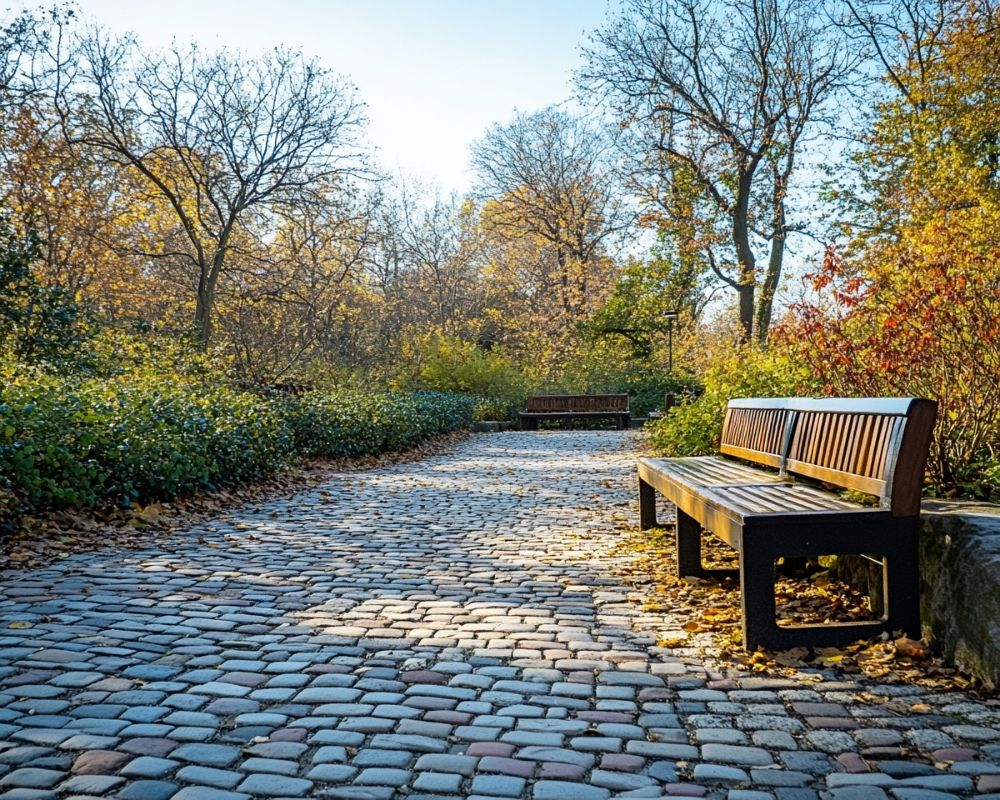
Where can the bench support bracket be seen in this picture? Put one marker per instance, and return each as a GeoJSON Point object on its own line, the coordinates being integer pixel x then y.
{"type": "Point", "coordinates": [894, 539]}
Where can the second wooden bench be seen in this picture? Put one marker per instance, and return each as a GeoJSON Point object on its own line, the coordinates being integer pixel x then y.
{"type": "Point", "coordinates": [576, 406]}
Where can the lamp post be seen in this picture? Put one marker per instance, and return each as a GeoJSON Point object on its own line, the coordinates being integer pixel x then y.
{"type": "Point", "coordinates": [670, 316]}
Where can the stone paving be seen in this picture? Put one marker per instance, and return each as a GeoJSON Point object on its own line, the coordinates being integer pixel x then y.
{"type": "Point", "coordinates": [439, 629]}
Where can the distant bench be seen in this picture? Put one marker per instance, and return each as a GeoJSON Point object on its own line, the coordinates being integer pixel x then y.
{"type": "Point", "coordinates": [576, 406]}
{"type": "Point", "coordinates": [877, 446]}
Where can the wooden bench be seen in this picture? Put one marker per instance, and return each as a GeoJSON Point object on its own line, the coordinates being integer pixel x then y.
{"type": "Point", "coordinates": [877, 446]}
{"type": "Point", "coordinates": [576, 406]}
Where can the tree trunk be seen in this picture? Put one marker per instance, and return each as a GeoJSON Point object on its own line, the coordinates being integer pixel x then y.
{"type": "Point", "coordinates": [203, 309]}
{"type": "Point", "coordinates": [765, 302]}
{"type": "Point", "coordinates": [208, 283]}
{"type": "Point", "coordinates": [744, 255]}
{"type": "Point", "coordinates": [203, 318]}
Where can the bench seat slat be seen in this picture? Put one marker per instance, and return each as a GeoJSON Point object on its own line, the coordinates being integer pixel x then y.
{"type": "Point", "coordinates": [785, 498]}
{"type": "Point", "coordinates": [741, 494]}
{"type": "Point", "coordinates": [710, 470]}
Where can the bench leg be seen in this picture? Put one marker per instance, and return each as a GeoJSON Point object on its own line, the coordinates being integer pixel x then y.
{"type": "Point", "coordinates": [688, 546]}
{"type": "Point", "coordinates": [901, 581]}
{"type": "Point", "coordinates": [760, 628]}
{"type": "Point", "coordinates": [647, 506]}
{"type": "Point", "coordinates": [688, 537]}
{"type": "Point", "coordinates": [895, 540]}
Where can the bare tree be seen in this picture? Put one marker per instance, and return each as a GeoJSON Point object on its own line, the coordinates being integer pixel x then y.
{"type": "Point", "coordinates": [425, 265]}
{"type": "Point", "coordinates": [443, 245]}
{"type": "Point", "coordinates": [899, 35]}
{"type": "Point", "coordinates": [221, 140]}
{"type": "Point", "coordinates": [288, 298]}
{"type": "Point", "coordinates": [12, 37]}
{"type": "Point", "coordinates": [23, 38]}
{"type": "Point", "coordinates": [715, 98]}
{"type": "Point", "coordinates": [550, 174]}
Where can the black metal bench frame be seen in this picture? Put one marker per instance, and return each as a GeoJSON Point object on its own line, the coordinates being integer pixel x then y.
{"type": "Point", "coordinates": [873, 445]}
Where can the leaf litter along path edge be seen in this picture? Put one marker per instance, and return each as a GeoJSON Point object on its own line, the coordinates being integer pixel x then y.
{"type": "Point", "coordinates": [453, 626]}
{"type": "Point", "coordinates": [712, 626]}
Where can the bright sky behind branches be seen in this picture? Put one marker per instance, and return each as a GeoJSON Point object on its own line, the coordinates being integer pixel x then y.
{"type": "Point", "coordinates": [434, 73]}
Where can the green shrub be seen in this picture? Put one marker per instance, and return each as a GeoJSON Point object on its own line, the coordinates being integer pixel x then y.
{"type": "Point", "coordinates": [50, 437]}
{"type": "Point", "coordinates": [450, 364]}
{"type": "Point", "coordinates": [80, 442]}
{"type": "Point", "coordinates": [610, 365]}
{"type": "Point", "coordinates": [352, 423]}
{"type": "Point", "coordinates": [496, 408]}
{"type": "Point", "coordinates": [38, 323]}
{"type": "Point", "coordinates": [693, 429]}
{"type": "Point", "coordinates": [9, 508]}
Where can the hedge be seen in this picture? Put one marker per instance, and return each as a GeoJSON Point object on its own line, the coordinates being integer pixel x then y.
{"type": "Point", "coordinates": [79, 443]}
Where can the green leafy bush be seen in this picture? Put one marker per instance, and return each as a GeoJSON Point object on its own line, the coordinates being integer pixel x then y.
{"type": "Point", "coordinates": [613, 365]}
{"type": "Point", "coordinates": [694, 429]}
{"type": "Point", "coordinates": [497, 408]}
{"type": "Point", "coordinates": [37, 323]}
{"type": "Point", "coordinates": [80, 442]}
{"type": "Point", "coordinates": [451, 364]}
{"type": "Point", "coordinates": [352, 423]}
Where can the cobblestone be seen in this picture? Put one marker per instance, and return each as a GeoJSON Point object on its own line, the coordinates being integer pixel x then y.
{"type": "Point", "coordinates": [451, 627]}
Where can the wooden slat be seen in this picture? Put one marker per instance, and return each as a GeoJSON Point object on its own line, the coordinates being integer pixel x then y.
{"type": "Point", "coordinates": [715, 509]}
{"type": "Point", "coordinates": [768, 459]}
{"type": "Point", "coordinates": [784, 498]}
{"type": "Point", "coordinates": [710, 471]}
{"type": "Point", "coordinates": [859, 483]}
{"type": "Point", "coordinates": [871, 451]}
{"type": "Point", "coordinates": [754, 434]}
{"type": "Point", "coordinates": [850, 438]}
{"type": "Point", "coordinates": [866, 442]}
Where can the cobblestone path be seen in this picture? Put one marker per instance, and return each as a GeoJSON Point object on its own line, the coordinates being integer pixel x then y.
{"type": "Point", "coordinates": [445, 628]}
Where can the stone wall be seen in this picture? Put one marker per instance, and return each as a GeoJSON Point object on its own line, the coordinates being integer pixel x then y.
{"type": "Point", "coordinates": [960, 595]}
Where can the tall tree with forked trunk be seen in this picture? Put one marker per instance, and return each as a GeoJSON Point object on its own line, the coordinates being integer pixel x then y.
{"type": "Point", "coordinates": [715, 98]}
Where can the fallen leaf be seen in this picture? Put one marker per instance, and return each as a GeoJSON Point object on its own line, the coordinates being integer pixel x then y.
{"type": "Point", "coordinates": [910, 648]}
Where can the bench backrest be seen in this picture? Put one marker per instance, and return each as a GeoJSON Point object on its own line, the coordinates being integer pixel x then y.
{"type": "Point", "coordinates": [874, 445]}
{"type": "Point", "coordinates": [617, 403]}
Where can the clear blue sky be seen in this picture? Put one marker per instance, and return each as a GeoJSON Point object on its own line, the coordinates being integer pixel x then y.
{"type": "Point", "coordinates": [434, 73]}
